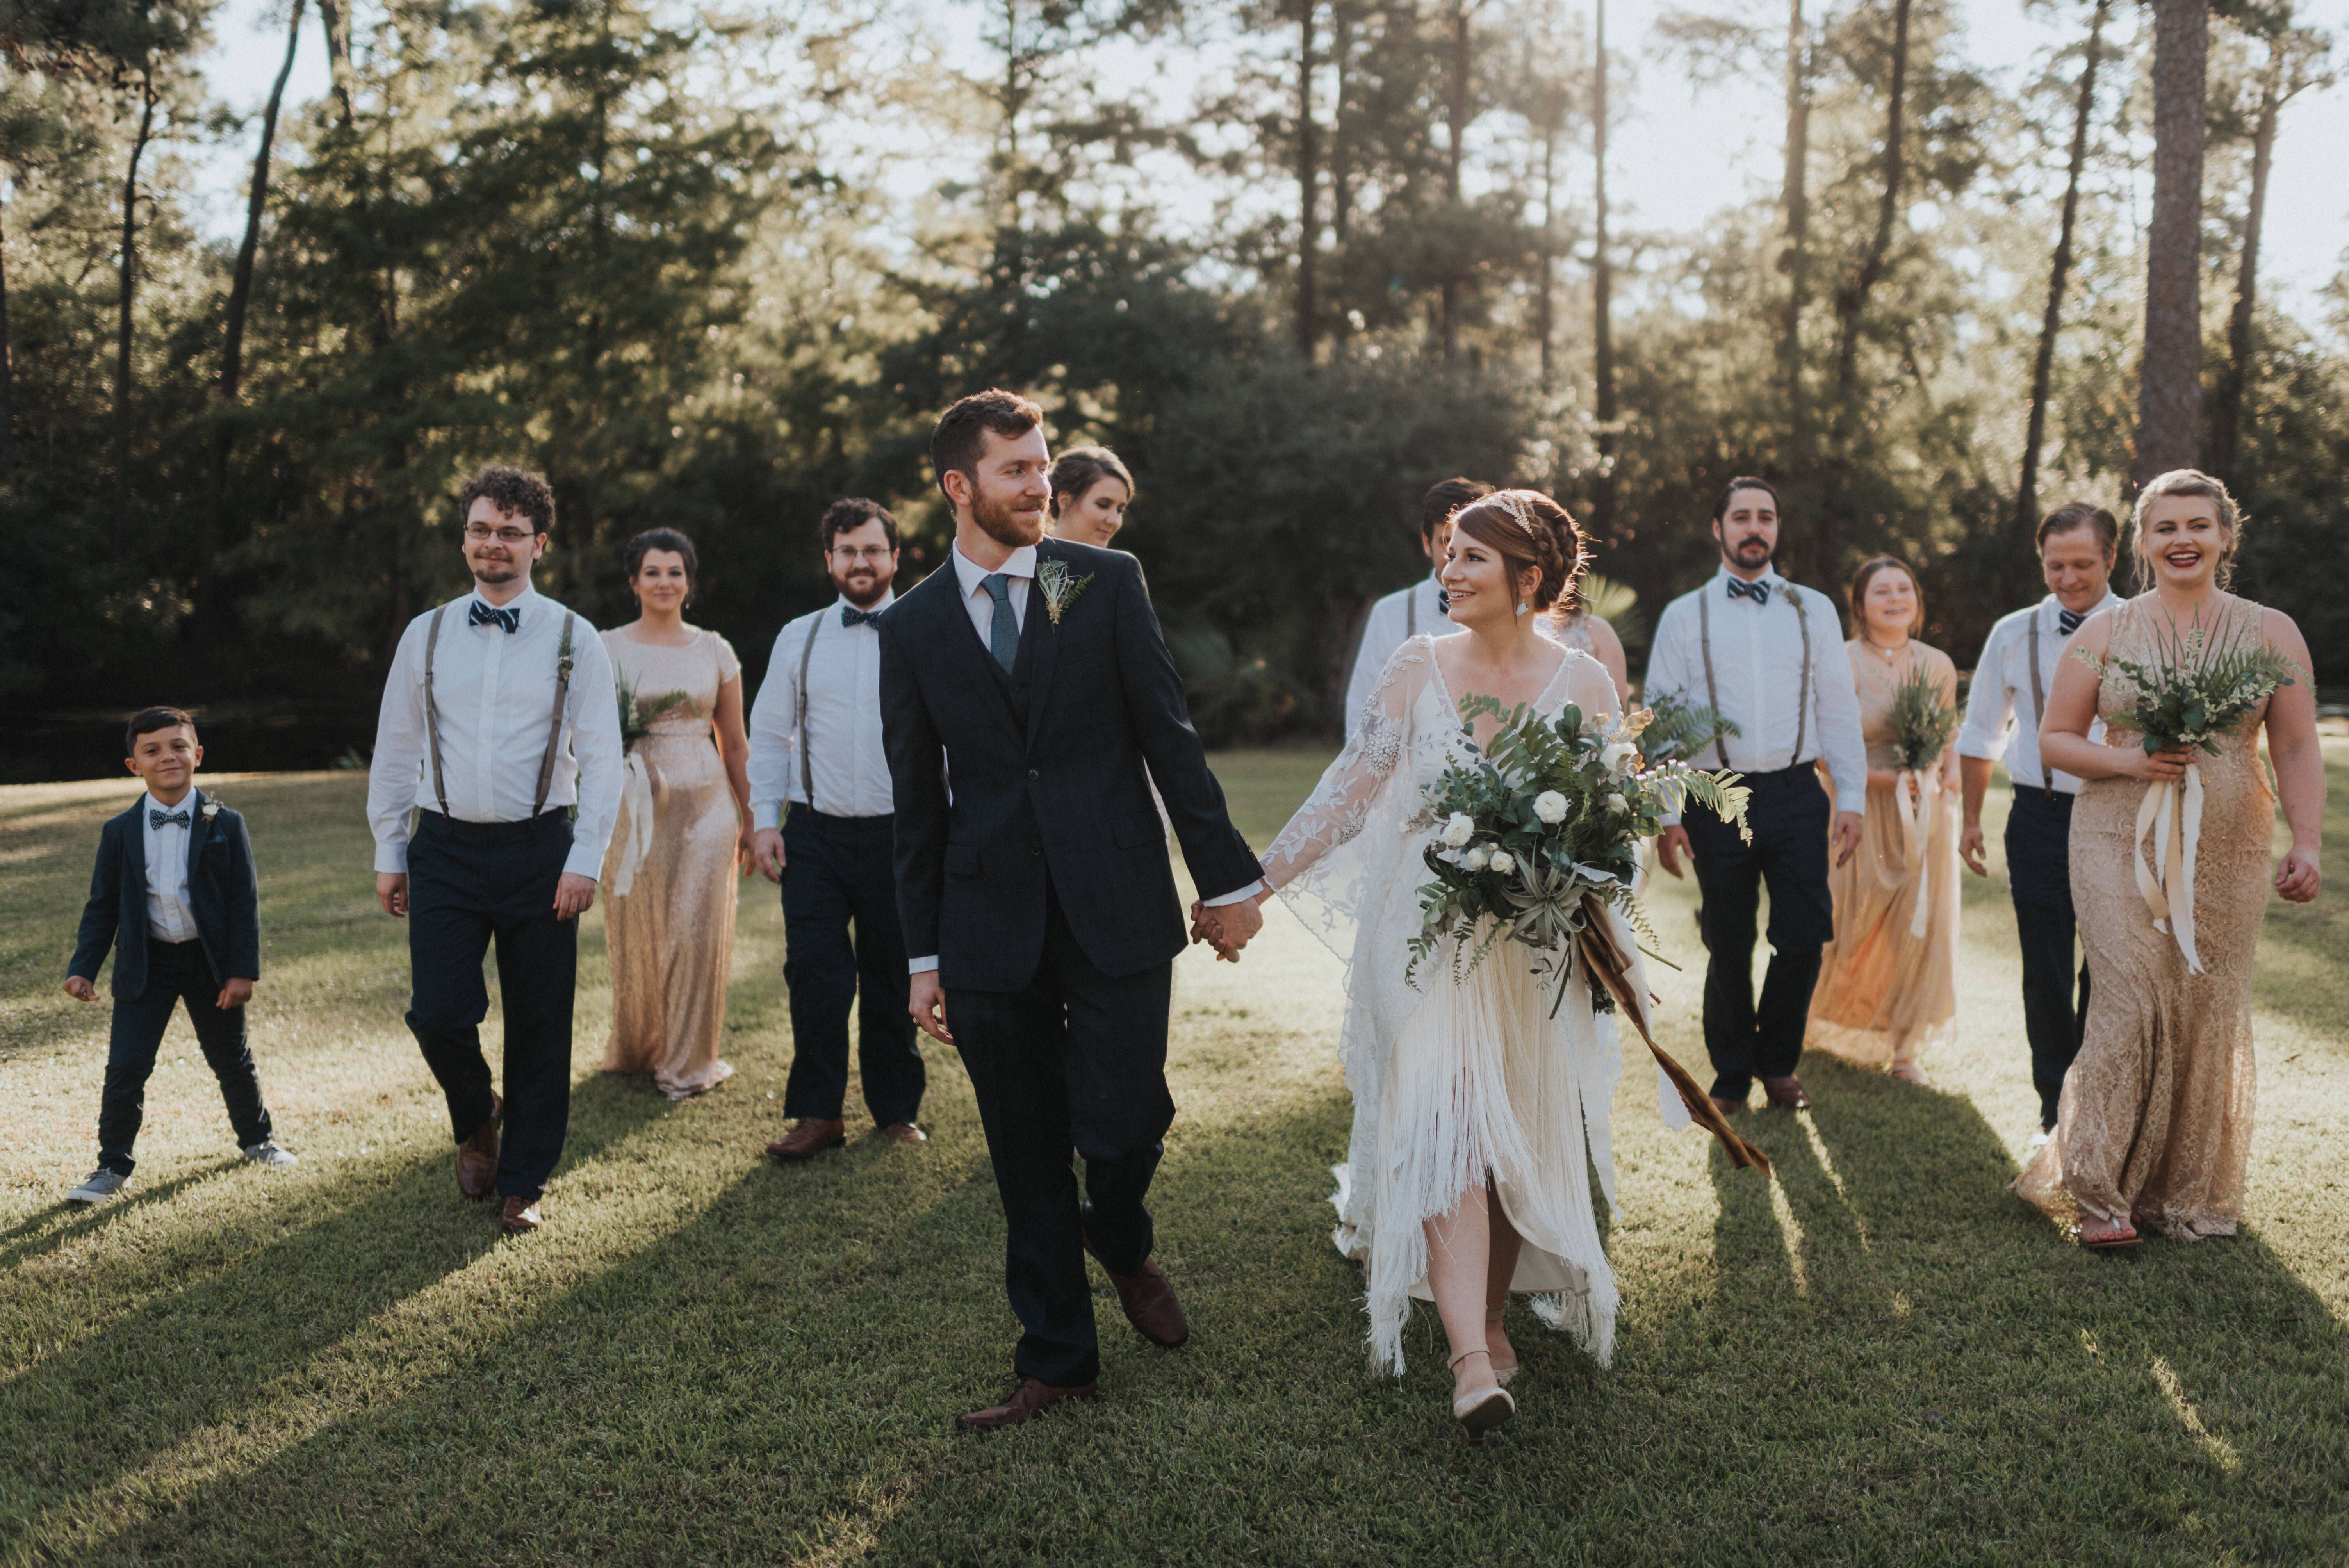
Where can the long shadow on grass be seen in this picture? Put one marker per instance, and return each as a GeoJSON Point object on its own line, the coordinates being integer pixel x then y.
{"type": "Point", "coordinates": [193, 1356]}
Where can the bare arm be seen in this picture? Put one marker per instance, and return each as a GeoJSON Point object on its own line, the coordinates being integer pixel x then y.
{"type": "Point", "coordinates": [734, 750]}
{"type": "Point", "coordinates": [1609, 648]}
{"type": "Point", "coordinates": [2063, 740]}
{"type": "Point", "coordinates": [2299, 759]}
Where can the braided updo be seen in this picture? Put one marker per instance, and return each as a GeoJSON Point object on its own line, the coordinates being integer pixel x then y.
{"type": "Point", "coordinates": [1528, 529]}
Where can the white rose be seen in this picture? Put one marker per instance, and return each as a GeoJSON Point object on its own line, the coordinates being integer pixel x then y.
{"type": "Point", "coordinates": [1551, 807]}
{"type": "Point", "coordinates": [1617, 803]}
{"type": "Point", "coordinates": [1617, 757]}
{"type": "Point", "coordinates": [1459, 830]}
{"type": "Point", "coordinates": [1475, 859]}
{"type": "Point", "coordinates": [1503, 862]}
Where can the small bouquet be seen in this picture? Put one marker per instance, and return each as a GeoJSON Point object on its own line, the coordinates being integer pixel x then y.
{"type": "Point", "coordinates": [1921, 722]}
{"type": "Point", "coordinates": [636, 716]}
{"type": "Point", "coordinates": [1678, 731]}
{"type": "Point", "coordinates": [1537, 836]}
{"type": "Point", "coordinates": [637, 713]}
{"type": "Point", "coordinates": [2192, 691]}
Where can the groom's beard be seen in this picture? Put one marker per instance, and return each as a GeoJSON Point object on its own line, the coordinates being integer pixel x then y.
{"type": "Point", "coordinates": [1006, 524]}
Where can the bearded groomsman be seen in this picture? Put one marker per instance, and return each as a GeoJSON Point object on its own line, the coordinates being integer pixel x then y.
{"type": "Point", "coordinates": [1407, 612]}
{"type": "Point", "coordinates": [1768, 656]}
{"type": "Point", "coordinates": [2018, 665]}
{"type": "Point", "coordinates": [499, 716]}
{"type": "Point", "coordinates": [820, 793]}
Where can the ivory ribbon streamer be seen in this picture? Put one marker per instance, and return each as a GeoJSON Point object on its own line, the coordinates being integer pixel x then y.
{"type": "Point", "coordinates": [637, 794]}
{"type": "Point", "coordinates": [1916, 817]}
{"type": "Point", "coordinates": [2172, 814]}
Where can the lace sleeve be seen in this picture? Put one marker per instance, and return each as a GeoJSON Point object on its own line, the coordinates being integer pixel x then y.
{"type": "Point", "coordinates": [1335, 813]}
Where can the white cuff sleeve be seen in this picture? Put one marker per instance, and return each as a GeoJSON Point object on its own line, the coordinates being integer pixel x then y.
{"type": "Point", "coordinates": [1249, 891]}
{"type": "Point", "coordinates": [392, 857]}
{"type": "Point", "coordinates": [922, 966]}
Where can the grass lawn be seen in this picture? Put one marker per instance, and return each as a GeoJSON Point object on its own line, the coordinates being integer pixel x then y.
{"type": "Point", "coordinates": [1880, 1357]}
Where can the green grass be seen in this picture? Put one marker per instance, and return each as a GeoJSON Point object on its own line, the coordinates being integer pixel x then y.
{"type": "Point", "coordinates": [705, 1357]}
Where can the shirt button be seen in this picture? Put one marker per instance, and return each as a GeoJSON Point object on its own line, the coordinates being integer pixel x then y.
{"type": "Point", "coordinates": [1035, 848]}
{"type": "Point", "coordinates": [1032, 774]}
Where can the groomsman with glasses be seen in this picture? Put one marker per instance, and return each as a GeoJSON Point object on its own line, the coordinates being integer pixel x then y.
{"type": "Point", "coordinates": [498, 719]}
{"type": "Point", "coordinates": [1768, 656]}
{"type": "Point", "coordinates": [2017, 666]}
{"type": "Point", "coordinates": [820, 792]}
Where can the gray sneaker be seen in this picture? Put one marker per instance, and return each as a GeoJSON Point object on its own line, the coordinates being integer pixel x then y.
{"type": "Point", "coordinates": [266, 1152]}
{"type": "Point", "coordinates": [102, 1184]}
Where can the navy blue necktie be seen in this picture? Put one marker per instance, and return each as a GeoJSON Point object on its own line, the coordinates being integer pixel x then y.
{"type": "Point", "coordinates": [178, 818]}
{"type": "Point", "coordinates": [849, 615]}
{"type": "Point", "coordinates": [2068, 621]}
{"type": "Point", "coordinates": [1757, 591]}
{"type": "Point", "coordinates": [1003, 631]}
{"type": "Point", "coordinates": [484, 616]}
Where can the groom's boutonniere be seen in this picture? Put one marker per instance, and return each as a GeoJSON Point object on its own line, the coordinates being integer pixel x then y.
{"type": "Point", "coordinates": [1061, 590]}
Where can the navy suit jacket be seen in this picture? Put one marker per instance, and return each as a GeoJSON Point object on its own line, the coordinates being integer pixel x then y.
{"type": "Point", "coordinates": [1065, 789]}
{"type": "Point", "coordinates": [223, 896]}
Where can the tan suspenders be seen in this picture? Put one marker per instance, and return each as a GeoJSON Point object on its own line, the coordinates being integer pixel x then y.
{"type": "Point", "coordinates": [2038, 695]}
{"type": "Point", "coordinates": [1712, 694]}
{"type": "Point", "coordinates": [807, 770]}
{"type": "Point", "coordinates": [553, 724]}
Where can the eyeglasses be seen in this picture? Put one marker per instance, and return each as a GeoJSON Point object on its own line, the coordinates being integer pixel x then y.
{"type": "Point", "coordinates": [480, 534]}
{"type": "Point", "coordinates": [874, 553]}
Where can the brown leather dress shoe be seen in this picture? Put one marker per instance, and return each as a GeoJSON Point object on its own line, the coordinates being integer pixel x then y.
{"type": "Point", "coordinates": [520, 1216]}
{"type": "Point", "coordinates": [1787, 1093]}
{"type": "Point", "coordinates": [1030, 1398]}
{"type": "Point", "coordinates": [812, 1137]}
{"type": "Point", "coordinates": [477, 1157]}
{"type": "Point", "coordinates": [904, 1132]}
{"type": "Point", "coordinates": [1149, 1301]}
{"type": "Point", "coordinates": [1726, 1106]}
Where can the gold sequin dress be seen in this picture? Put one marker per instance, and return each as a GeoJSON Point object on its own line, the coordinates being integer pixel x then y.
{"type": "Point", "coordinates": [1887, 993]}
{"type": "Point", "coordinates": [2156, 1119]}
{"type": "Point", "coordinates": [671, 933]}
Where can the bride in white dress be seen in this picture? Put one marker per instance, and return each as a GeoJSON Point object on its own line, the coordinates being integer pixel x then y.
{"type": "Point", "coordinates": [1478, 1116]}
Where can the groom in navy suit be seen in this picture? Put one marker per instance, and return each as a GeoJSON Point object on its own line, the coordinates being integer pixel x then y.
{"type": "Point", "coordinates": [1038, 904]}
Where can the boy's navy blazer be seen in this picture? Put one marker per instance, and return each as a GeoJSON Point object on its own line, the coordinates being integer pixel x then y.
{"type": "Point", "coordinates": [1048, 771]}
{"type": "Point", "coordinates": [222, 895]}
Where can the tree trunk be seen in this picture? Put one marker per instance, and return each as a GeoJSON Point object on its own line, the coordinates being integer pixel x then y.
{"type": "Point", "coordinates": [2227, 412]}
{"type": "Point", "coordinates": [2043, 368]}
{"type": "Point", "coordinates": [232, 367]}
{"type": "Point", "coordinates": [1308, 153]}
{"type": "Point", "coordinates": [1544, 305]}
{"type": "Point", "coordinates": [2169, 394]}
{"type": "Point", "coordinates": [1851, 300]}
{"type": "Point", "coordinates": [129, 290]}
{"type": "Point", "coordinates": [1794, 260]}
{"type": "Point", "coordinates": [1456, 120]}
{"type": "Point", "coordinates": [7, 376]}
{"type": "Point", "coordinates": [1602, 291]}
{"type": "Point", "coordinates": [337, 23]}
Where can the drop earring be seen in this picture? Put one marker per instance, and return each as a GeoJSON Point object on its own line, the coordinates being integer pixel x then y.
{"type": "Point", "coordinates": [1523, 606]}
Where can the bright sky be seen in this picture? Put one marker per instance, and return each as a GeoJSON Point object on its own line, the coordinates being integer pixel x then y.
{"type": "Point", "coordinates": [1678, 162]}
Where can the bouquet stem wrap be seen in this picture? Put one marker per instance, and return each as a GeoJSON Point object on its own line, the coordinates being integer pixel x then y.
{"type": "Point", "coordinates": [637, 794]}
{"type": "Point", "coordinates": [2172, 814]}
{"type": "Point", "coordinates": [1916, 817]}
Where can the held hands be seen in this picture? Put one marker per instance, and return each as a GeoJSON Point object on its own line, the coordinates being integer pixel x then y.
{"type": "Point", "coordinates": [926, 999]}
{"type": "Point", "coordinates": [2299, 878]}
{"type": "Point", "coordinates": [1845, 839]}
{"type": "Point", "coordinates": [573, 895]}
{"type": "Point", "coordinates": [1227, 927]}
{"type": "Point", "coordinates": [767, 849]}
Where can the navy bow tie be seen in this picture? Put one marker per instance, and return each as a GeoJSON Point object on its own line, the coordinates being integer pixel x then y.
{"type": "Point", "coordinates": [1757, 591]}
{"type": "Point", "coordinates": [178, 818]}
{"type": "Point", "coordinates": [2068, 621]}
{"type": "Point", "coordinates": [484, 616]}
{"type": "Point", "coordinates": [849, 615]}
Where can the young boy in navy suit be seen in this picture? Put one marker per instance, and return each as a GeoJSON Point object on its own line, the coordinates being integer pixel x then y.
{"type": "Point", "coordinates": [174, 884]}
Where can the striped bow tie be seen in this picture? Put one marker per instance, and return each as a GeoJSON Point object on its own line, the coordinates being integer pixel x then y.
{"type": "Point", "coordinates": [178, 818]}
{"type": "Point", "coordinates": [1757, 591]}
{"type": "Point", "coordinates": [2068, 621]}
{"type": "Point", "coordinates": [482, 615]}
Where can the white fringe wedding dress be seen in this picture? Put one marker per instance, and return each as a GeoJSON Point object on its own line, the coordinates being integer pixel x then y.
{"type": "Point", "coordinates": [1451, 1080]}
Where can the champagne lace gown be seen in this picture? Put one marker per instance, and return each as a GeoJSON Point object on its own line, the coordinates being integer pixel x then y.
{"type": "Point", "coordinates": [1886, 994]}
{"type": "Point", "coordinates": [671, 934]}
{"type": "Point", "coordinates": [2156, 1118]}
{"type": "Point", "coordinates": [1451, 1080]}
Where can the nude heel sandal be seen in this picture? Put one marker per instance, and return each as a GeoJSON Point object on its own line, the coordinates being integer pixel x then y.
{"type": "Point", "coordinates": [1479, 1413]}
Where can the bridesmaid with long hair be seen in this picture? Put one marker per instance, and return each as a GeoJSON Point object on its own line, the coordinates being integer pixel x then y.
{"type": "Point", "coordinates": [684, 829]}
{"type": "Point", "coordinates": [1888, 982]}
{"type": "Point", "coordinates": [2155, 1126]}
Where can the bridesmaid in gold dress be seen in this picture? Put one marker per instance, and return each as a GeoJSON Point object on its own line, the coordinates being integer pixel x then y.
{"type": "Point", "coordinates": [684, 830]}
{"type": "Point", "coordinates": [2154, 1125]}
{"type": "Point", "coordinates": [1888, 983]}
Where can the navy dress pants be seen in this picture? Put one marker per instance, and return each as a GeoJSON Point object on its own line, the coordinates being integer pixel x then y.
{"type": "Point", "coordinates": [176, 971]}
{"type": "Point", "coordinates": [470, 885]}
{"type": "Point", "coordinates": [1076, 1060]}
{"type": "Point", "coordinates": [2039, 876]}
{"type": "Point", "coordinates": [839, 873]}
{"type": "Point", "coordinates": [1790, 814]}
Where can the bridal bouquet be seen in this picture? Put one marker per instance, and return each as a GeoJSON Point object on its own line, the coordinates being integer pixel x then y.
{"type": "Point", "coordinates": [1678, 731]}
{"type": "Point", "coordinates": [1537, 836]}
{"type": "Point", "coordinates": [2192, 691]}
{"type": "Point", "coordinates": [636, 716]}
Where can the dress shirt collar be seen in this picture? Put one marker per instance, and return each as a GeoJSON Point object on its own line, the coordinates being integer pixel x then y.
{"type": "Point", "coordinates": [522, 602]}
{"type": "Point", "coordinates": [1776, 584]}
{"type": "Point", "coordinates": [970, 574]}
{"type": "Point", "coordinates": [2051, 604]}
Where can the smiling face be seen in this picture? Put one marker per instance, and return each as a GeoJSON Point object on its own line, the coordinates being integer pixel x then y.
{"type": "Point", "coordinates": [1748, 530]}
{"type": "Point", "coordinates": [1094, 517]}
{"type": "Point", "coordinates": [2182, 539]}
{"type": "Point", "coordinates": [1476, 582]}
{"type": "Point", "coordinates": [2076, 566]}
{"type": "Point", "coordinates": [660, 582]}
{"type": "Point", "coordinates": [1889, 606]}
{"type": "Point", "coordinates": [166, 760]}
{"type": "Point", "coordinates": [862, 562]}
{"type": "Point", "coordinates": [1008, 490]}
{"type": "Point", "coordinates": [500, 547]}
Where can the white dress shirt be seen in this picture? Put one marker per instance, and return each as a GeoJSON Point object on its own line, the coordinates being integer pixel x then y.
{"type": "Point", "coordinates": [169, 916]}
{"type": "Point", "coordinates": [841, 726]}
{"type": "Point", "coordinates": [495, 694]}
{"type": "Point", "coordinates": [1393, 620]}
{"type": "Point", "coordinates": [1021, 569]}
{"type": "Point", "coordinates": [2001, 717]}
{"type": "Point", "coordinates": [1757, 665]}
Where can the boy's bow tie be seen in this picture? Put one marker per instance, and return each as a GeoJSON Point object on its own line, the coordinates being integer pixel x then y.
{"type": "Point", "coordinates": [156, 818]}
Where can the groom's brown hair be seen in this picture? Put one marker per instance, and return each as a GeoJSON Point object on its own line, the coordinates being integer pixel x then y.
{"type": "Point", "coordinates": [960, 437]}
